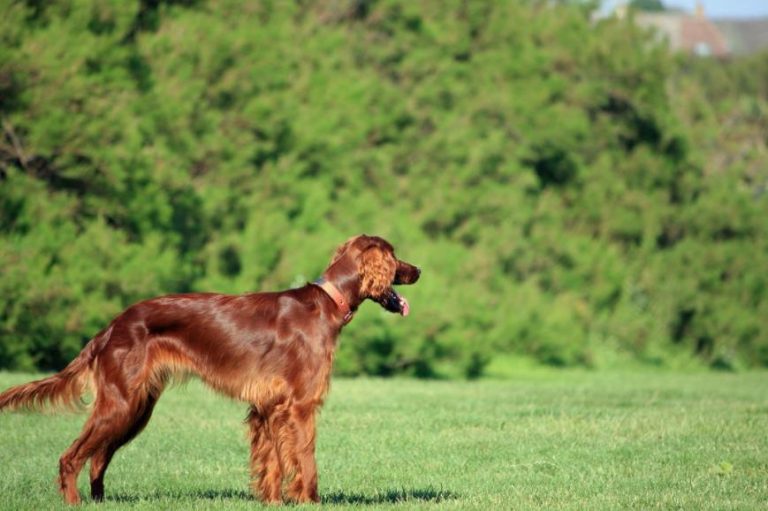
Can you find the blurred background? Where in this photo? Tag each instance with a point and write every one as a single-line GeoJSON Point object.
{"type": "Point", "coordinates": [583, 184]}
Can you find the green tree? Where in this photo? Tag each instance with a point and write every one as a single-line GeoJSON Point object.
{"type": "Point", "coordinates": [575, 194]}
{"type": "Point", "coordinates": [647, 5]}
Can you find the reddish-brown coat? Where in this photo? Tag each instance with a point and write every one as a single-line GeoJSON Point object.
{"type": "Point", "coordinates": [271, 350]}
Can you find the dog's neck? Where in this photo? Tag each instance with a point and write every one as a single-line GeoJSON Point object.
{"type": "Point", "coordinates": [344, 285]}
{"type": "Point", "coordinates": [337, 296]}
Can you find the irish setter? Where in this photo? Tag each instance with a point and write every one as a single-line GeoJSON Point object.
{"type": "Point", "coordinates": [272, 350]}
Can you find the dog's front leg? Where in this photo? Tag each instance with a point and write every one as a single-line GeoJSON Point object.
{"type": "Point", "coordinates": [266, 472]}
{"type": "Point", "coordinates": [303, 488]}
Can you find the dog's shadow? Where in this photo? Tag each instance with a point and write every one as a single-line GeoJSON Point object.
{"type": "Point", "coordinates": [388, 496]}
{"type": "Point", "coordinates": [223, 494]}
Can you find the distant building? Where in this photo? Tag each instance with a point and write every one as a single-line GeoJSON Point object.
{"type": "Point", "coordinates": [744, 36]}
{"type": "Point", "coordinates": [694, 34]}
{"type": "Point", "coordinates": [698, 35]}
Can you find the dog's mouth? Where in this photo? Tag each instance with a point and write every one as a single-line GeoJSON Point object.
{"type": "Point", "coordinates": [394, 302]}
{"type": "Point", "coordinates": [405, 274]}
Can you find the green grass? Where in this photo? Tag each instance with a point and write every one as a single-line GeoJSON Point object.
{"type": "Point", "coordinates": [552, 440]}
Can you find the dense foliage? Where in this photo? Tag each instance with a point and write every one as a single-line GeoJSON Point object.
{"type": "Point", "coordinates": [574, 193]}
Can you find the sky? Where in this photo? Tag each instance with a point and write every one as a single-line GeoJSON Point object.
{"type": "Point", "coordinates": [725, 8]}
{"type": "Point", "coordinates": [720, 8]}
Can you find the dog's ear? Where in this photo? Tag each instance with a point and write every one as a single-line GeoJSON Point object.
{"type": "Point", "coordinates": [377, 271]}
{"type": "Point", "coordinates": [341, 250]}
{"type": "Point", "coordinates": [353, 246]}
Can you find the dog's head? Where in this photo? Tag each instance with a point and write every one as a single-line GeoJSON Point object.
{"type": "Point", "coordinates": [370, 264]}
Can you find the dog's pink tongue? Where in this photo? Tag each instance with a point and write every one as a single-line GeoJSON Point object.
{"type": "Point", "coordinates": [405, 309]}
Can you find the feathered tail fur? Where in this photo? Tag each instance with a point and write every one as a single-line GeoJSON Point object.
{"type": "Point", "coordinates": [62, 390]}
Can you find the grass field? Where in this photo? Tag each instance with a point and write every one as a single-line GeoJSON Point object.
{"type": "Point", "coordinates": [554, 440]}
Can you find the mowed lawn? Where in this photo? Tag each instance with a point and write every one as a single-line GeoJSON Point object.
{"type": "Point", "coordinates": [554, 440]}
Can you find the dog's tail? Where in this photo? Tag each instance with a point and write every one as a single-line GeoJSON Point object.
{"type": "Point", "coordinates": [62, 390]}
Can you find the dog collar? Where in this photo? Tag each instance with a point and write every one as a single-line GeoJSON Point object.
{"type": "Point", "coordinates": [336, 296]}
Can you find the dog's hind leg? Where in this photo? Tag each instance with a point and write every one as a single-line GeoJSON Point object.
{"type": "Point", "coordinates": [97, 433]}
{"type": "Point", "coordinates": [116, 415]}
{"type": "Point", "coordinates": [101, 458]}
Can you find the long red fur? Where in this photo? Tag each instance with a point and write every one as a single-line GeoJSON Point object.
{"type": "Point", "coordinates": [273, 351]}
{"type": "Point", "coordinates": [62, 390]}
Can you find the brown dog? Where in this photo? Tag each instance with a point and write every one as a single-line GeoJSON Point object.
{"type": "Point", "coordinates": [271, 350]}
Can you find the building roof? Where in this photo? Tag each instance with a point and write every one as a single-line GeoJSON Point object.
{"type": "Point", "coordinates": [689, 33]}
{"type": "Point", "coordinates": [700, 36]}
